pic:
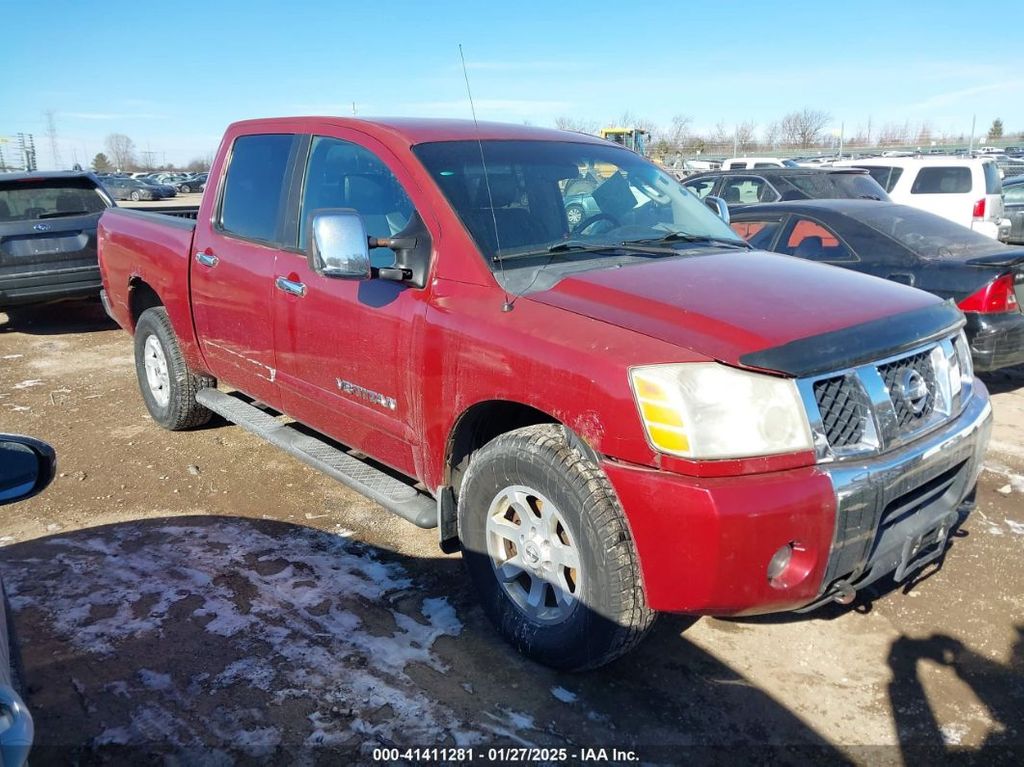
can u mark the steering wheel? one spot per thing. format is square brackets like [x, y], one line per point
[591, 220]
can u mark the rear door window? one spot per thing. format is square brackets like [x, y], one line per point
[747, 190]
[759, 232]
[1014, 195]
[702, 187]
[806, 238]
[886, 176]
[255, 186]
[942, 180]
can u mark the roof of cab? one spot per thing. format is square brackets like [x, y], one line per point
[421, 130]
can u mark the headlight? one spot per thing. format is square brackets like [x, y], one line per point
[706, 410]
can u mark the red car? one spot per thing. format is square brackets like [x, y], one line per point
[634, 414]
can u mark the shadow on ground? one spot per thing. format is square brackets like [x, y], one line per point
[222, 637]
[54, 319]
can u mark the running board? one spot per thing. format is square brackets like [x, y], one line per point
[390, 492]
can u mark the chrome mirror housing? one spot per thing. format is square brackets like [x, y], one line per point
[719, 206]
[337, 244]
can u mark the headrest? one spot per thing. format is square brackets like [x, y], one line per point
[504, 191]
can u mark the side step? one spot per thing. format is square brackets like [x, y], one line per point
[390, 492]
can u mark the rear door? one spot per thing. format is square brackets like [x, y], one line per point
[49, 225]
[233, 263]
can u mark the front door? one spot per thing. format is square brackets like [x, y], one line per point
[344, 347]
[233, 266]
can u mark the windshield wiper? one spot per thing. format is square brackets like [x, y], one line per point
[62, 213]
[565, 246]
[687, 237]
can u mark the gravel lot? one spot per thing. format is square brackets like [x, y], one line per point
[204, 591]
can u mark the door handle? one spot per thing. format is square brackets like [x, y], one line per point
[290, 286]
[206, 259]
[902, 277]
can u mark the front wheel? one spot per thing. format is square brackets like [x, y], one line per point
[167, 382]
[185, 189]
[549, 551]
[135, 196]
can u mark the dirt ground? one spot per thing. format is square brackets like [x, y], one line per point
[204, 593]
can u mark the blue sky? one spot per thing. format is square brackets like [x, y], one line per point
[171, 75]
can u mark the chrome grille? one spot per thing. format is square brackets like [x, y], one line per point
[892, 374]
[874, 407]
[844, 410]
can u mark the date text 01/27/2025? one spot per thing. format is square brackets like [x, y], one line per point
[504, 754]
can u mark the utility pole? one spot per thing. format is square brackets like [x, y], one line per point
[51, 132]
[970, 147]
[353, 109]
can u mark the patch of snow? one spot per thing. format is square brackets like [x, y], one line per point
[564, 695]
[952, 734]
[321, 625]
[153, 680]
[12, 357]
[27, 384]
[1017, 528]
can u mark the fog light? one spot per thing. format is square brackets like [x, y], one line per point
[780, 561]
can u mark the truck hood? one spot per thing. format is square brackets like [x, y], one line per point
[736, 306]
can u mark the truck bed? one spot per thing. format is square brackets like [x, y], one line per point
[148, 250]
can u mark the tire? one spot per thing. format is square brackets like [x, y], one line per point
[135, 196]
[185, 189]
[170, 397]
[597, 613]
[574, 214]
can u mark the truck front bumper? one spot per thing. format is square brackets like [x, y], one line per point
[705, 544]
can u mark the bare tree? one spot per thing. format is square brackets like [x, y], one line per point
[745, 135]
[679, 133]
[772, 134]
[804, 128]
[576, 124]
[121, 150]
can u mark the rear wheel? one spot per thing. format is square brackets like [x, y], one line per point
[549, 551]
[135, 196]
[167, 383]
[574, 215]
[185, 189]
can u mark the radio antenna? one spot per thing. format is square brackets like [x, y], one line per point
[507, 306]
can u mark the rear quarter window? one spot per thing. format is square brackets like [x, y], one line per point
[993, 184]
[886, 176]
[942, 180]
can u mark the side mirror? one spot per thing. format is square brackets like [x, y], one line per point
[27, 466]
[719, 206]
[337, 245]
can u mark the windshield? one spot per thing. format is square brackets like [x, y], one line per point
[928, 235]
[574, 196]
[28, 199]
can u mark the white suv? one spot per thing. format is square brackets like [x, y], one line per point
[749, 163]
[968, 192]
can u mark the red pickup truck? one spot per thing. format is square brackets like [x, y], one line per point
[630, 413]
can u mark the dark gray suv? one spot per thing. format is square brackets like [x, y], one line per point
[48, 236]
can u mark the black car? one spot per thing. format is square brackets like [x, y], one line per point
[133, 189]
[1013, 207]
[982, 276]
[48, 236]
[748, 187]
